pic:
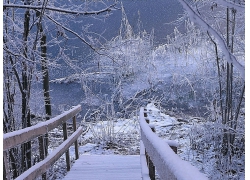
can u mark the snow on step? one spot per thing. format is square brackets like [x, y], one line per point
[105, 167]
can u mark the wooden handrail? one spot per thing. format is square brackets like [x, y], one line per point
[168, 164]
[15, 138]
[42, 166]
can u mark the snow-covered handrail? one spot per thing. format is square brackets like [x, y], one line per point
[168, 164]
[12, 139]
[41, 167]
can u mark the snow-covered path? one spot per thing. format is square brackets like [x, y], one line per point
[106, 167]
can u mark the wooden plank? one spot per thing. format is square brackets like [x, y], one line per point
[106, 167]
[23, 135]
[76, 143]
[143, 160]
[42, 166]
[65, 137]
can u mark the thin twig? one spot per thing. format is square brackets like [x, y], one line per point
[68, 11]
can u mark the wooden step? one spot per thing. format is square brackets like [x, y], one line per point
[106, 167]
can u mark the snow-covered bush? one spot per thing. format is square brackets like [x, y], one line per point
[128, 55]
[109, 131]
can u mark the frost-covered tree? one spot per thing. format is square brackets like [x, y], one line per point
[30, 28]
[122, 82]
[223, 21]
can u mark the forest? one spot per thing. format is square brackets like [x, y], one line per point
[57, 54]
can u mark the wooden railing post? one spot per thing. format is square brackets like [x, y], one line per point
[151, 167]
[174, 149]
[76, 143]
[173, 145]
[65, 136]
[145, 112]
[41, 140]
[6, 172]
[147, 120]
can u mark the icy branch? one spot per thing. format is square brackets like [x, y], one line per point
[71, 31]
[108, 9]
[195, 17]
[81, 38]
[231, 5]
[17, 55]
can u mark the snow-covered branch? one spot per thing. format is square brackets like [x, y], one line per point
[80, 37]
[17, 55]
[231, 5]
[71, 31]
[195, 17]
[68, 11]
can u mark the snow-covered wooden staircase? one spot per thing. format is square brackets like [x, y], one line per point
[106, 167]
[154, 154]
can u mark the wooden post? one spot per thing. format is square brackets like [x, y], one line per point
[173, 145]
[152, 127]
[174, 148]
[147, 120]
[76, 143]
[6, 172]
[145, 112]
[151, 169]
[42, 152]
[151, 166]
[146, 115]
[65, 136]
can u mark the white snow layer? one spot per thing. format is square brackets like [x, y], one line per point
[168, 164]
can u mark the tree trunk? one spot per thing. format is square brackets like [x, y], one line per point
[26, 147]
[45, 75]
[230, 118]
[43, 140]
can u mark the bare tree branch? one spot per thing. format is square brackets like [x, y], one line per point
[17, 55]
[68, 11]
[81, 38]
